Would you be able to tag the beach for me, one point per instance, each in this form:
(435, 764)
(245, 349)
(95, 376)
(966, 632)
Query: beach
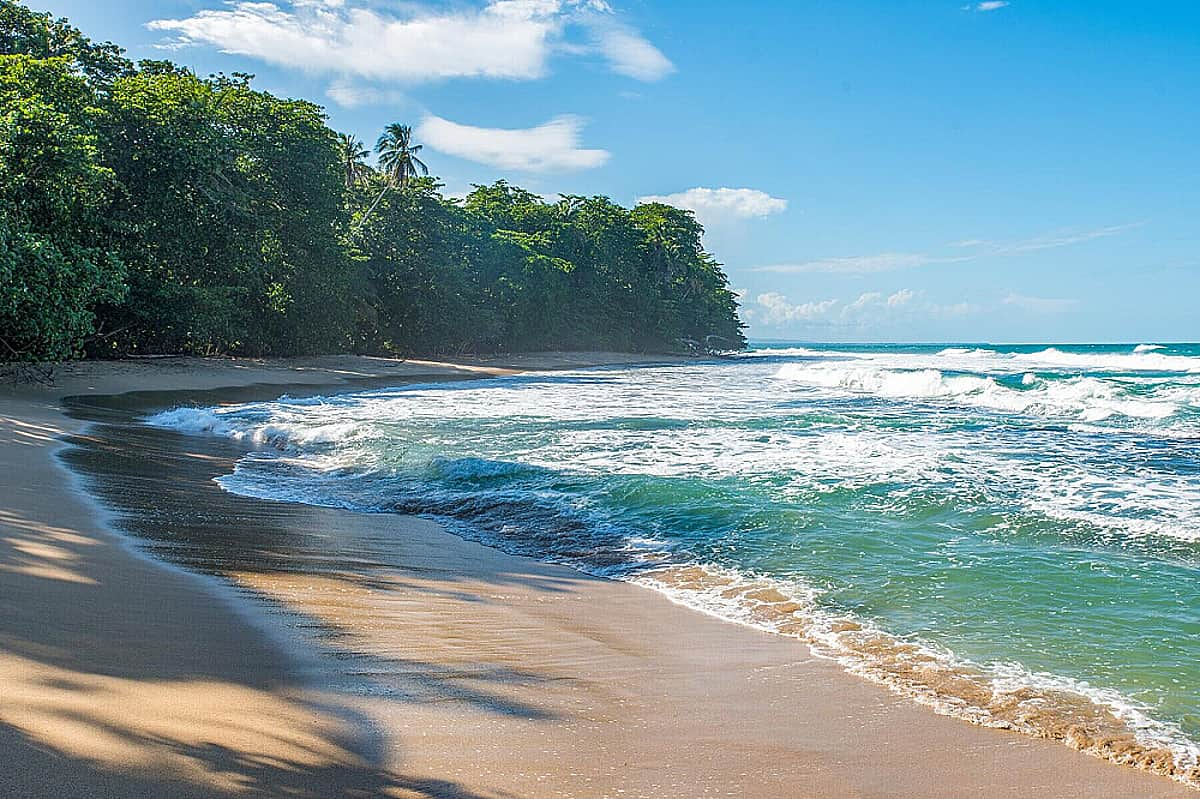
(332, 653)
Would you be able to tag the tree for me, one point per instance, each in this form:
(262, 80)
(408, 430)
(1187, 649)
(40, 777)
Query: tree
(398, 155)
(353, 154)
(53, 195)
(26, 32)
(431, 268)
(230, 217)
(397, 160)
(146, 209)
(696, 304)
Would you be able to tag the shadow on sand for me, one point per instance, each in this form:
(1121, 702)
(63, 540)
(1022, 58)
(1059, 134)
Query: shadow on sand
(183, 698)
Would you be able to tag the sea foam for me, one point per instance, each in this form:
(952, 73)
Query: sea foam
(894, 478)
(1083, 398)
(1003, 695)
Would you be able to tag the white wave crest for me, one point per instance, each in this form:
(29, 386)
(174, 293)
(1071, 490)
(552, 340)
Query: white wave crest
(1143, 358)
(281, 434)
(964, 352)
(1138, 361)
(1088, 399)
(789, 352)
(196, 421)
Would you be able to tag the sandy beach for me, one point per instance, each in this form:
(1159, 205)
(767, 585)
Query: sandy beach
(159, 637)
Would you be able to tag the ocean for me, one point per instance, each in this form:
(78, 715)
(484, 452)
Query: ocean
(1010, 534)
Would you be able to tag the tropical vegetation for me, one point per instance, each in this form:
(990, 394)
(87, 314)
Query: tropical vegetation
(147, 210)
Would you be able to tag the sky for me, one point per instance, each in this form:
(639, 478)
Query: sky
(914, 170)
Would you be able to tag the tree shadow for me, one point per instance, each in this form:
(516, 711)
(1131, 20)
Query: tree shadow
(64, 729)
(34, 771)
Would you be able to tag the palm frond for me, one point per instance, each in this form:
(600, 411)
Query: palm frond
(397, 154)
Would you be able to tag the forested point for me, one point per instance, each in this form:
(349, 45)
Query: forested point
(147, 210)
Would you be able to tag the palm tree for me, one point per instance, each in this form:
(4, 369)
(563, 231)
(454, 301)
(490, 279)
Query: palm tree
(397, 159)
(398, 155)
(353, 155)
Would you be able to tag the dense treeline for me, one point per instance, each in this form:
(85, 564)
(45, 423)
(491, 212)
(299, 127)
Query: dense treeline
(144, 209)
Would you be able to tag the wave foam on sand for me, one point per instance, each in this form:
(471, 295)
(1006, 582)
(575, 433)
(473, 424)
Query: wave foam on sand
(1004, 696)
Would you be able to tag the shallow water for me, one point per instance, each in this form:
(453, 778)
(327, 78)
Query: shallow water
(1007, 533)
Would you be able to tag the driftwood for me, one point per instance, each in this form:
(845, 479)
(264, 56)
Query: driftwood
(19, 370)
(711, 346)
(25, 372)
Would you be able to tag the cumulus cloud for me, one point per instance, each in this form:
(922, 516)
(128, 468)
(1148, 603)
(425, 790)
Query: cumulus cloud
(775, 309)
(502, 40)
(554, 146)
(713, 206)
(962, 251)
(870, 308)
(511, 39)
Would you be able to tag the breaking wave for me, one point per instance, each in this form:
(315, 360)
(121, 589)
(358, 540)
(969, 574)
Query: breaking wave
(1008, 536)
(1087, 399)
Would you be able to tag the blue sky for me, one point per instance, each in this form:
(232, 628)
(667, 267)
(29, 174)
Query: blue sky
(900, 171)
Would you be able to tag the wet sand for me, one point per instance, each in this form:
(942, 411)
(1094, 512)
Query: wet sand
(252, 648)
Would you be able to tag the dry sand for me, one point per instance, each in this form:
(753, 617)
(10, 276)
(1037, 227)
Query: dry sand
(342, 654)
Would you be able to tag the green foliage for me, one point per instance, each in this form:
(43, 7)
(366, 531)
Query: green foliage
(231, 216)
(148, 210)
(52, 193)
(422, 261)
(398, 155)
(25, 32)
(508, 271)
(353, 157)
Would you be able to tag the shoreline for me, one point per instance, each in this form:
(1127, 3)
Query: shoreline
(556, 682)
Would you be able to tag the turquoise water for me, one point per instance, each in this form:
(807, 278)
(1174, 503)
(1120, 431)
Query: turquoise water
(1028, 515)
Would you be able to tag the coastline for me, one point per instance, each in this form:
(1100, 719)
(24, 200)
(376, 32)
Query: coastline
(472, 672)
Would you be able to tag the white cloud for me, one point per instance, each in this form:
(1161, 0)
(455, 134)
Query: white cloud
(498, 41)
(988, 5)
(351, 95)
(630, 54)
(511, 39)
(978, 248)
(774, 309)
(553, 146)
(853, 265)
(869, 309)
(864, 301)
(1047, 241)
(713, 206)
(1045, 305)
